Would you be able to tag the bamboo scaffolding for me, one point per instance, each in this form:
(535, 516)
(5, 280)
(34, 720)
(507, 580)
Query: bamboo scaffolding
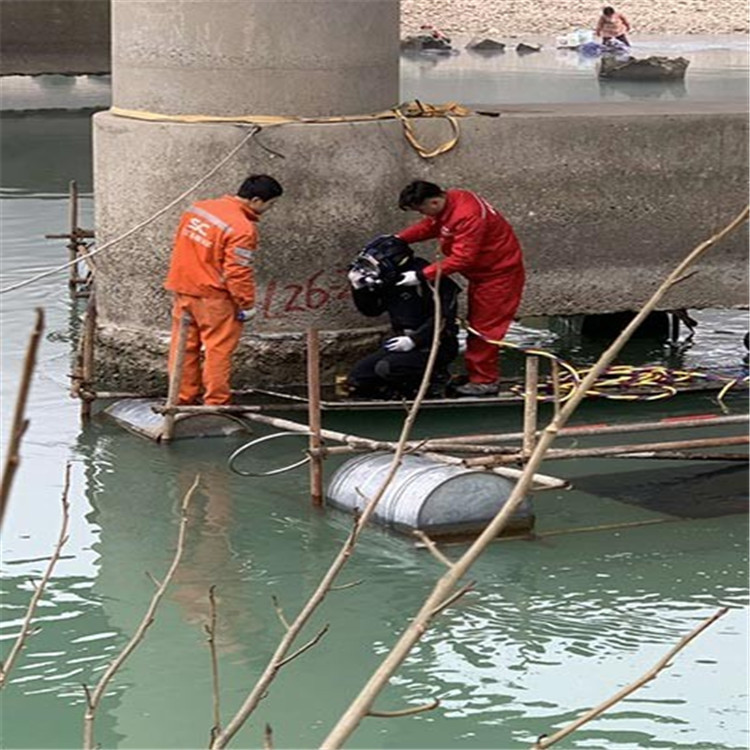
(530, 403)
(614, 450)
(595, 429)
(88, 359)
(313, 392)
(175, 379)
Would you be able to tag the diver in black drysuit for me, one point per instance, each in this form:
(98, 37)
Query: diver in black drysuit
(396, 369)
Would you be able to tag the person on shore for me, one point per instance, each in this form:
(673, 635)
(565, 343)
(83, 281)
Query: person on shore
(480, 244)
(212, 280)
(612, 25)
(396, 369)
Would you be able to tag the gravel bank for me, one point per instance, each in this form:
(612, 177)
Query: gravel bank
(504, 18)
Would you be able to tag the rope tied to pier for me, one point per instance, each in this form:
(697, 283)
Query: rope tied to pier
(405, 113)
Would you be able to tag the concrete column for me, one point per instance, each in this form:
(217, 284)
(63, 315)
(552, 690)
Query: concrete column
(270, 57)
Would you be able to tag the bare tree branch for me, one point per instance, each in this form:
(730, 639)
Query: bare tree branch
(406, 711)
(436, 553)
(211, 631)
(349, 585)
(146, 622)
(547, 741)
(316, 598)
(280, 611)
(7, 665)
(20, 423)
(304, 648)
(362, 703)
(453, 598)
(268, 738)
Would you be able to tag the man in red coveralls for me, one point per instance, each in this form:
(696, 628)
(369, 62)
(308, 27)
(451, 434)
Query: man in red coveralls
(479, 244)
(211, 276)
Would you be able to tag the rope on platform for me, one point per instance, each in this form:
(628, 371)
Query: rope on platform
(615, 379)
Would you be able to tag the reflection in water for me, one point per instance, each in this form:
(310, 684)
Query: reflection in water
(642, 89)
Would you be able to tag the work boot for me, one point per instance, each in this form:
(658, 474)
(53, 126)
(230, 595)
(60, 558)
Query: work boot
(478, 389)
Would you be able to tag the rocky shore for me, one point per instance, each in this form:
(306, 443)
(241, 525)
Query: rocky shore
(516, 17)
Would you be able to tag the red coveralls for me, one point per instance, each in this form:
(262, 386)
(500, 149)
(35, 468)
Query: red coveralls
(480, 244)
(212, 278)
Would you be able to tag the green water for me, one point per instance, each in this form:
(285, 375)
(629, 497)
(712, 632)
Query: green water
(553, 627)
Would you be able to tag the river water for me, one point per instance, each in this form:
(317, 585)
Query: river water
(554, 626)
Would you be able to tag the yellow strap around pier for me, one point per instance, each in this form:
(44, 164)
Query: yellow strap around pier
(404, 112)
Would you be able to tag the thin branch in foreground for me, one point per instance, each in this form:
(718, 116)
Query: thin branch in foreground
(547, 741)
(146, 622)
(431, 706)
(7, 665)
(349, 585)
(278, 659)
(433, 548)
(210, 629)
(279, 611)
(362, 703)
(453, 598)
(312, 642)
(268, 738)
(20, 423)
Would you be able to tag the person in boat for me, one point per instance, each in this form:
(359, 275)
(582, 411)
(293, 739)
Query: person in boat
(612, 25)
(479, 243)
(211, 278)
(396, 369)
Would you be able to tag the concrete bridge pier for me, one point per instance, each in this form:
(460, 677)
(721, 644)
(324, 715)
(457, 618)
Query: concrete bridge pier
(310, 58)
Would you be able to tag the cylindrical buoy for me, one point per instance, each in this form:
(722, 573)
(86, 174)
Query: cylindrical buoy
(437, 498)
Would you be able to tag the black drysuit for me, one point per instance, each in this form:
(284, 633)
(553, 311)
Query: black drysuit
(411, 309)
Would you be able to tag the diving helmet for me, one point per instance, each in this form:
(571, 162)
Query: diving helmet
(383, 260)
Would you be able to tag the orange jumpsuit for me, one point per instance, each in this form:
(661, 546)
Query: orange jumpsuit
(211, 275)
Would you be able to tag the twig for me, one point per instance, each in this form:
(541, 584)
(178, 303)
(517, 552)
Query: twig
(362, 703)
(279, 611)
(304, 648)
(436, 553)
(146, 622)
(7, 665)
(268, 738)
(211, 631)
(453, 598)
(431, 706)
(316, 598)
(349, 585)
(647, 677)
(153, 579)
(20, 423)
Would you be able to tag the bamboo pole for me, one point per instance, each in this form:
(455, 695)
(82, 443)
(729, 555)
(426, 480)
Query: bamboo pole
(313, 395)
(175, 378)
(20, 423)
(555, 374)
(73, 242)
(598, 429)
(88, 363)
(530, 396)
(445, 587)
(614, 450)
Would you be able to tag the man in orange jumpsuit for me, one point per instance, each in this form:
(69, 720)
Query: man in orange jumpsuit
(211, 275)
(480, 245)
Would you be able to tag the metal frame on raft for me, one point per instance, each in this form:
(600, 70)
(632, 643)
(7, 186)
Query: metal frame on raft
(488, 452)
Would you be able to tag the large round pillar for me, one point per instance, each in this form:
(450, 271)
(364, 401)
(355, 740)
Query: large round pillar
(310, 58)
(269, 57)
